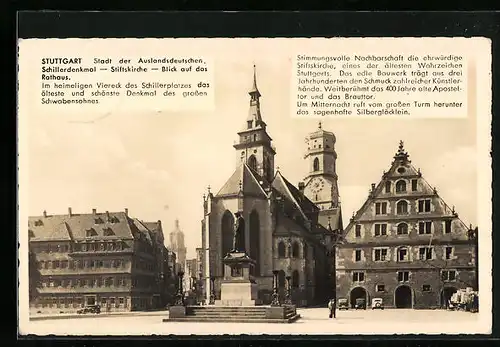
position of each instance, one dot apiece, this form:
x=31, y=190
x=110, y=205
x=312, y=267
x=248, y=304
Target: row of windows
x=85, y=282
x=403, y=254
x=423, y=228
x=401, y=186
x=79, y=247
x=293, y=250
x=81, y=264
x=380, y=288
x=402, y=207
x=404, y=276
x=77, y=302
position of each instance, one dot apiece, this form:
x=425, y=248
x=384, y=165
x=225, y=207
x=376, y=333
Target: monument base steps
x=235, y=314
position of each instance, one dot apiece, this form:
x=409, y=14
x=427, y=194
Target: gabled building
x=284, y=230
x=107, y=258
x=405, y=244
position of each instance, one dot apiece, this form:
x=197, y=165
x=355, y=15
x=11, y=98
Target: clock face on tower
x=317, y=184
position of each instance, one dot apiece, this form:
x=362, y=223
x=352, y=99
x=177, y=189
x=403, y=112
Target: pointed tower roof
x=254, y=115
x=254, y=90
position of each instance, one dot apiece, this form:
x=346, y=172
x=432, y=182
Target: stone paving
x=313, y=321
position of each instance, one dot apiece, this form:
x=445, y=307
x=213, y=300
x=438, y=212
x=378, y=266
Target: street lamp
x=288, y=294
x=276, y=298
x=212, y=291
x=180, y=292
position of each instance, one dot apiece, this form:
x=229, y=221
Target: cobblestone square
x=313, y=321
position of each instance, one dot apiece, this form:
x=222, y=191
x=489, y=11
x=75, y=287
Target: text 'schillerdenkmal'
x=168, y=82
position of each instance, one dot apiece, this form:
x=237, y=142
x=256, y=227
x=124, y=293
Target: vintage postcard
x=255, y=186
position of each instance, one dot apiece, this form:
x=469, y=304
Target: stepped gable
x=75, y=226
x=402, y=168
x=243, y=180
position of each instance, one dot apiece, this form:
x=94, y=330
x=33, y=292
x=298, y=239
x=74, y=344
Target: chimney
x=70, y=212
x=94, y=211
x=44, y=213
x=373, y=187
x=302, y=186
x=126, y=211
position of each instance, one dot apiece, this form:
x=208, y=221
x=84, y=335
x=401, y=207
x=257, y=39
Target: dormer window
x=98, y=220
x=91, y=232
x=31, y=233
x=249, y=124
x=38, y=223
x=108, y=232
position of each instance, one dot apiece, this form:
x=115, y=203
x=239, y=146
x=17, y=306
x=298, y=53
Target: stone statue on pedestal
x=239, y=234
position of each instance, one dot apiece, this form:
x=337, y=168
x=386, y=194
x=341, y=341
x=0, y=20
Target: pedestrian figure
x=332, y=306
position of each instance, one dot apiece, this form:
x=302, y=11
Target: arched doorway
x=446, y=294
x=227, y=231
x=255, y=241
x=403, y=297
x=358, y=293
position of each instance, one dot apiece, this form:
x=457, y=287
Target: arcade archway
x=403, y=297
x=446, y=294
x=358, y=293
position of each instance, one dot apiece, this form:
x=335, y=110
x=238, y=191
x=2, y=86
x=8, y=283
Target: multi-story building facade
x=106, y=258
x=284, y=230
x=405, y=244
x=170, y=276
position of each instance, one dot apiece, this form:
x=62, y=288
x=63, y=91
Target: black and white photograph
x=255, y=186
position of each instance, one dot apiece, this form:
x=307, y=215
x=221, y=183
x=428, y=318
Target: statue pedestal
x=238, y=288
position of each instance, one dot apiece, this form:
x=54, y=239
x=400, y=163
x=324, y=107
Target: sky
x=159, y=164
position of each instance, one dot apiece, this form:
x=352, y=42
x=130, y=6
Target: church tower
x=178, y=247
x=321, y=182
x=254, y=144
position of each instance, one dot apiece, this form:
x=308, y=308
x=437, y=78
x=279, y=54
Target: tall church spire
x=254, y=118
x=254, y=145
x=254, y=90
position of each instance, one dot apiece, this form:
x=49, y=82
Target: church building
x=287, y=228
x=405, y=244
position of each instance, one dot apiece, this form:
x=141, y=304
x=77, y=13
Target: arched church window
x=281, y=249
x=402, y=207
x=295, y=249
x=316, y=164
x=252, y=162
x=400, y=186
x=255, y=240
x=402, y=229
